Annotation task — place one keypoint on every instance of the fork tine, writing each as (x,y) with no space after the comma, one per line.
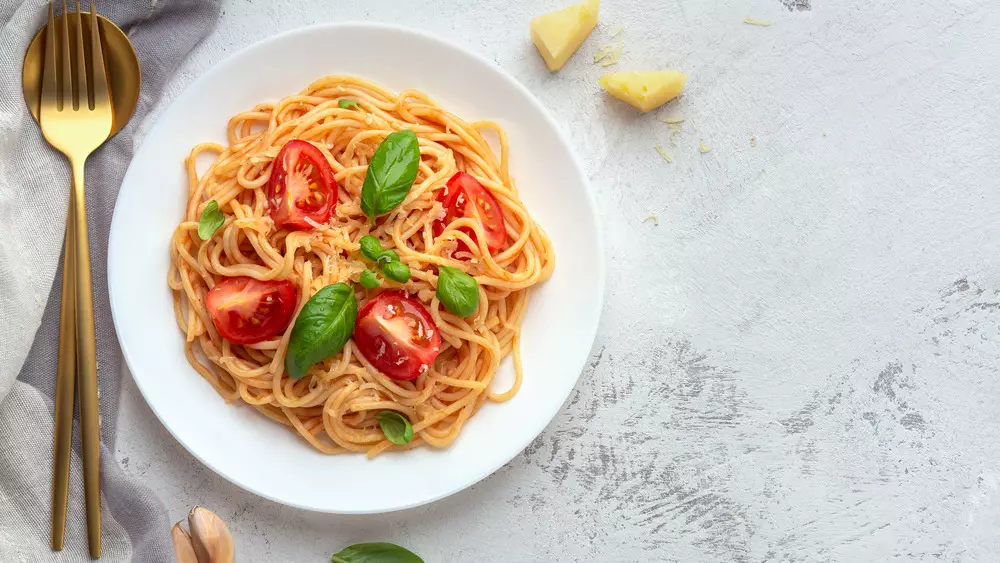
(66,74)
(49,72)
(82,97)
(100,82)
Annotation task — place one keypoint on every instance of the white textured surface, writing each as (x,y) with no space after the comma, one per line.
(798,364)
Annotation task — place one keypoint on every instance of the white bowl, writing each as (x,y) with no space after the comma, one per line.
(241,444)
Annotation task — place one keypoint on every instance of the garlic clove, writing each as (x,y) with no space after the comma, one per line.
(182,545)
(210,537)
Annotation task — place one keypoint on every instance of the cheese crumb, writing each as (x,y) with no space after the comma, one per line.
(675,120)
(652,218)
(663,153)
(757,22)
(673,136)
(704,148)
(608,55)
(617,31)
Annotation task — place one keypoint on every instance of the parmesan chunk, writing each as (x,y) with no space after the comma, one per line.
(558,35)
(645,90)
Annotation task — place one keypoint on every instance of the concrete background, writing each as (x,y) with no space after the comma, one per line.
(798,363)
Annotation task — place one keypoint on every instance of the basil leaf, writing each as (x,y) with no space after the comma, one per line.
(391,173)
(397,271)
(369,280)
(370,247)
(344,104)
(387,256)
(376,553)
(211,220)
(395,427)
(457,291)
(322,328)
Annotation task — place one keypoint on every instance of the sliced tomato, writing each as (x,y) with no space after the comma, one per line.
(301,191)
(464,196)
(397,335)
(247,311)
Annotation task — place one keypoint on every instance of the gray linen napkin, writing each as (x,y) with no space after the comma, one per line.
(34,189)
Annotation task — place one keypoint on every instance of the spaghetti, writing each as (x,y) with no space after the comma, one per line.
(334,406)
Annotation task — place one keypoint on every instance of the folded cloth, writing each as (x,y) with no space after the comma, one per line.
(34,192)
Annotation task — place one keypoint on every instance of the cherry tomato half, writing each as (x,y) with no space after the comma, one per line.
(301,187)
(397,335)
(464,196)
(247,311)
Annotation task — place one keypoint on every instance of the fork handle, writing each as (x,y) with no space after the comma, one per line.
(86,354)
(65,385)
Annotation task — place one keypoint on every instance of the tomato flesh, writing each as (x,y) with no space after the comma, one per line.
(301,191)
(397,335)
(464,196)
(247,311)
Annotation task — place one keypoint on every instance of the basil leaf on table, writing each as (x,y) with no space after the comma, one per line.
(376,553)
(211,220)
(344,104)
(395,427)
(391,173)
(368,280)
(457,291)
(322,328)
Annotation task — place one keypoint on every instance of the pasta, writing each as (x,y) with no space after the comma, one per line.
(334,406)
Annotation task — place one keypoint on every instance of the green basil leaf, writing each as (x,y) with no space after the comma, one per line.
(344,104)
(376,553)
(322,328)
(388,256)
(395,427)
(369,280)
(371,248)
(397,271)
(457,291)
(211,220)
(390,174)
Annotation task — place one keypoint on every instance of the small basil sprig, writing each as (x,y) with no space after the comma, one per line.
(393,269)
(211,220)
(371,248)
(368,280)
(397,271)
(322,328)
(391,173)
(344,104)
(387,256)
(457,291)
(395,427)
(379,552)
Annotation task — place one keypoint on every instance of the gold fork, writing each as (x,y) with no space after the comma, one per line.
(76,118)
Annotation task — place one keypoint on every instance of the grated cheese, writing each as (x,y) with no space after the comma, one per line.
(677,120)
(673,136)
(663,153)
(653,219)
(757,22)
(608,55)
(617,31)
(704,148)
